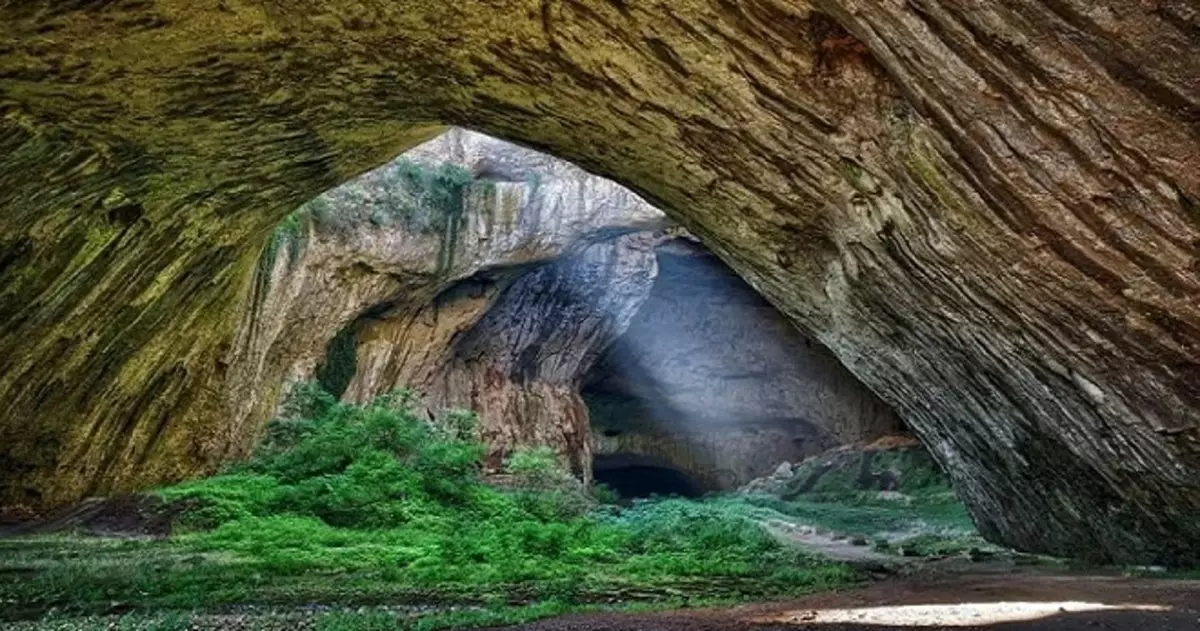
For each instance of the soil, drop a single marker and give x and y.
(121, 516)
(1002, 601)
(832, 546)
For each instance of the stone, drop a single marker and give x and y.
(519, 367)
(711, 379)
(372, 247)
(960, 200)
(520, 356)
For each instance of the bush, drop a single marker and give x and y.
(605, 494)
(535, 468)
(372, 466)
(543, 487)
(370, 503)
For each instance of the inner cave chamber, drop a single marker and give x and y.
(711, 379)
(623, 340)
(988, 215)
(637, 477)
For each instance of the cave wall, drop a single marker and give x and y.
(641, 344)
(714, 459)
(987, 212)
(399, 241)
(713, 380)
(521, 365)
(380, 241)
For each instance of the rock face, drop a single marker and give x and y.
(987, 211)
(520, 365)
(712, 380)
(394, 239)
(893, 465)
(461, 214)
(688, 367)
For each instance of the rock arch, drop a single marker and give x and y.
(989, 213)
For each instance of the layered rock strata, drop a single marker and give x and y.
(712, 380)
(987, 211)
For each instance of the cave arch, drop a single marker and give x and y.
(1014, 268)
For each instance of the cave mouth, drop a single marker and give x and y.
(636, 478)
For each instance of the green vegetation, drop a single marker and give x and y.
(367, 517)
(369, 506)
(288, 234)
(421, 198)
(424, 199)
(839, 493)
(866, 516)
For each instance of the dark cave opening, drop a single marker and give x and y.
(638, 479)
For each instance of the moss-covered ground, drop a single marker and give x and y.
(368, 517)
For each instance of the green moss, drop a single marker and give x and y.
(407, 193)
(853, 173)
(289, 234)
(429, 199)
(923, 166)
(348, 505)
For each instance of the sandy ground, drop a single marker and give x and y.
(990, 602)
(829, 545)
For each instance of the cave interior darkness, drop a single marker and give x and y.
(635, 478)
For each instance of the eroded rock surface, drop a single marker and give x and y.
(460, 214)
(678, 361)
(519, 367)
(712, 380)
(987, 211)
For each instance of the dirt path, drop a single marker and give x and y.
(829, 545)
(989, 602)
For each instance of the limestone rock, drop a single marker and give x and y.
(698, 375)
(382, 242)
(712, 380)
(987, 211)
(519, 366)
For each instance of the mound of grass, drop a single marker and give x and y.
(891, 492)
(346, 505)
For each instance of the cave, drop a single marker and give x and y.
(711, 378)
(634, 477)
(988, 214)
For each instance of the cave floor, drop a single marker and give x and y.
(993, 601)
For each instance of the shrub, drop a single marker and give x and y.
(535, 467)
(605, 494)
(370, 503)
(371, 466)
(543, 487)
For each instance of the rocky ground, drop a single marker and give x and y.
(994, 601)
(883, 508)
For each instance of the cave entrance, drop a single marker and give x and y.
(636, 477)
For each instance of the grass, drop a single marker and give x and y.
(921, 517)
(866, 515)
(334, 619)
(367, 506)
